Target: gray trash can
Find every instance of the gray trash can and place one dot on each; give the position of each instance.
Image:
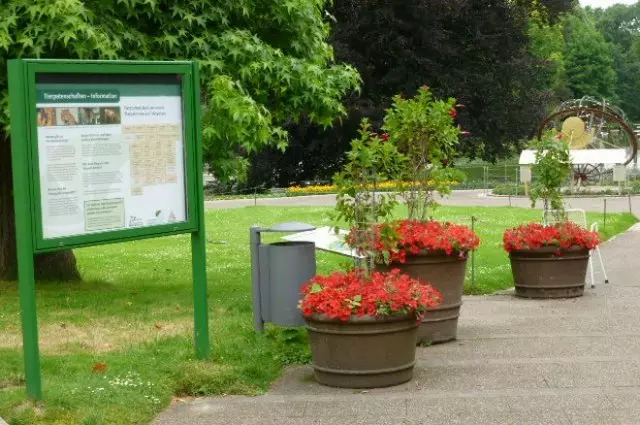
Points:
(278, 271)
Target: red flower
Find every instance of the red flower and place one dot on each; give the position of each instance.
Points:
(453, 113)
(385, 137)
(343, 295)
(559, 136)
(413, 237)
(561, 235)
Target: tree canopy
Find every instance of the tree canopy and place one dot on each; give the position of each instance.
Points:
(264, 63)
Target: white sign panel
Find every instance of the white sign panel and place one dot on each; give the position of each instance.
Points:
(583, 156)
(327, 240)
(110, 158)
(619, 173)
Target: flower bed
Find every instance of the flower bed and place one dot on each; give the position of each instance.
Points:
(330, 188)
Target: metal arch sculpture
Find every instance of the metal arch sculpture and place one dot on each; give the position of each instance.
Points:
(606, 122)
(600, 124)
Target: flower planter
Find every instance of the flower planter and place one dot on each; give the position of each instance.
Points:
(542, 273)
(446, 273)
(363, 352)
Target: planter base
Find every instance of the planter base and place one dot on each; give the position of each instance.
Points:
(364, 352)
(541, 273)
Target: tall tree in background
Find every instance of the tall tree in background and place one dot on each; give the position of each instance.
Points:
(588, 59)
(620, 26)
(474, 50)
(548, 44)
(264, 64)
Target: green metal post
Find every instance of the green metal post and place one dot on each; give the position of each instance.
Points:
(473, 255)
(24, 241)
(198, 240)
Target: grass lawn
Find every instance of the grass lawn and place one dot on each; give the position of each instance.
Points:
(117, 347)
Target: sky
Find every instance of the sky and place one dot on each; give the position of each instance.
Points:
(605, 3)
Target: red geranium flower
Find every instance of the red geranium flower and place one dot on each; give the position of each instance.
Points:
(561, 235)
(406, 237)
(453, 113)
(385, 137)
(343, 295)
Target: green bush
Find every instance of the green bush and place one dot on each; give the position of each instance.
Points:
(509, 189)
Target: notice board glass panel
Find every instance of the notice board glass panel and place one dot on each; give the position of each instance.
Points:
(111, 152)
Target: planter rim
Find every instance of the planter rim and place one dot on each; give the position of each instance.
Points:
(550, 248)
(457, 255)
(316, 317)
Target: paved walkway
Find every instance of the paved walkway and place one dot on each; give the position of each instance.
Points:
(458, 198)
(519, 362)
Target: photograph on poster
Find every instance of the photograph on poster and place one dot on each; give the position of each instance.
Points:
(46, 117)
(67, 116)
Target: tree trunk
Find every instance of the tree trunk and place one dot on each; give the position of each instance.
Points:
(55, 266)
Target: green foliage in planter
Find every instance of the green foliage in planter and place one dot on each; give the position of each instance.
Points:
(424, 129)
(551, 170)
(371, 161)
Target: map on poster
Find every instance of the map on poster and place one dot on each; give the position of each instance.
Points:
(111, 157)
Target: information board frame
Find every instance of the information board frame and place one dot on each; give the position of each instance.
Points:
(27, 196)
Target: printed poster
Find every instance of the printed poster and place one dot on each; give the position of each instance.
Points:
(111, 157)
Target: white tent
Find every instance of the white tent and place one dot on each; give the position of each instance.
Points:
(583, 156)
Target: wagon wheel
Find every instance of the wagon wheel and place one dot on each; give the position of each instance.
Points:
(604, 126)
(584, 174)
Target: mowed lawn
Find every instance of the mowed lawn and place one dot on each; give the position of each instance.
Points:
(118, 347)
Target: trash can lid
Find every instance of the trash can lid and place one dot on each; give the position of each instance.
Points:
(290, 226)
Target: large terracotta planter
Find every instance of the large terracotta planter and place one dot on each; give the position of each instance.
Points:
(365, 352)
(542, 273)
(445, 273)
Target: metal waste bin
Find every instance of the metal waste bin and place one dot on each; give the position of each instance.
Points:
(278, 271)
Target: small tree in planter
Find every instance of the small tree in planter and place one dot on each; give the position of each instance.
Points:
(362, 324)
(552, 168)
(550, 261)
(424, 130)
(372, 160)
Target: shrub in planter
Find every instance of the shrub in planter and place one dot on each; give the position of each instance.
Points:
(362, 328)
(424, 129)
(417, 149)
(549, 261)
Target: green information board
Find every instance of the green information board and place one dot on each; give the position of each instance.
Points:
(102, 152)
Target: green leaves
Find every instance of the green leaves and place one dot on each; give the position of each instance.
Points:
(372, 161)
(264, 63)
(424, 130)
(551, 170)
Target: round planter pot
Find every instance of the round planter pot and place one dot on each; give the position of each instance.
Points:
(365, 352)
(445, 273)
(542, 273)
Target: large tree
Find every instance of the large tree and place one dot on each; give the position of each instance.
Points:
(264, 64)
(474, 50)
(620, 26)
(588, 59)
